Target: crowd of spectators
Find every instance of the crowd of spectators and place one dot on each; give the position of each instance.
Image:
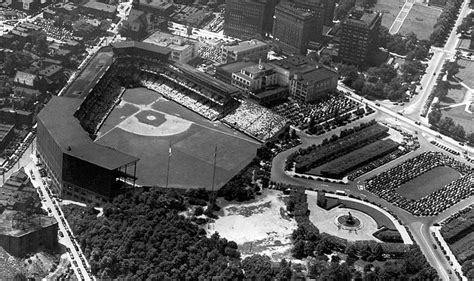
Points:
(255, 120)
(301, 113)
(58, 33)
(100, 101)
(385, 184)
(181, 95)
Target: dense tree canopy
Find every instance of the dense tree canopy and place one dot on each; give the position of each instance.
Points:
(142, 236)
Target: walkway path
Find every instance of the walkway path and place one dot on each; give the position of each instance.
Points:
(468, 97)
(402, 15)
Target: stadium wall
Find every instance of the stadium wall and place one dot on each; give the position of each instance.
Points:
(50, 154)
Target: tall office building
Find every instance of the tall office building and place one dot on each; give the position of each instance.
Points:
(296, 24)
(247, 18)
(359, 37)
(324, 8)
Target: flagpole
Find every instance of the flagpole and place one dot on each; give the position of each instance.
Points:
(168, 169)
(213, 199)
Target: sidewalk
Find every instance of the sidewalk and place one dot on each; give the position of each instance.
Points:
(452, 258)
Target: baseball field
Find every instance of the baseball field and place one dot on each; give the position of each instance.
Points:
(145, 124)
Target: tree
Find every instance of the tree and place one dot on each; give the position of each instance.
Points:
(470, 138)
(258, 267)
(298, 249)
(316, 267)
(451, 68)
(378, 252)
(337, 272)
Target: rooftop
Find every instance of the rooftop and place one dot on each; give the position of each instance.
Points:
(4, 130)
(73, 139)
(157, 4)
(101, 6)
(171, 41)
(12, 224)
(245, 45)
(141, 45)
(50, 70)
(235, 66)
(25, 78)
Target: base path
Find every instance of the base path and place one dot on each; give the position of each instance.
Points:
(402, 15)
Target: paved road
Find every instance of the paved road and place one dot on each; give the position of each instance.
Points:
(50, 203)
(420, 234)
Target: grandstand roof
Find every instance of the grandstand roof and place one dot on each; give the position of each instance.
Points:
(141, 45)
(223, 89)
(73, 139)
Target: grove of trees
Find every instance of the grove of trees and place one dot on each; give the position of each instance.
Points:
(445, 22)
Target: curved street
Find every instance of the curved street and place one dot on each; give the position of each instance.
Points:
(418, 226)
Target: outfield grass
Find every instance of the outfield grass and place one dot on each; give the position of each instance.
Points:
(427, 183)
(381, 219)
(466, 73)
(420, 21)
(460, 116)
(390, 10)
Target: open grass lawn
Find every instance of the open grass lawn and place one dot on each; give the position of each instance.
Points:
(427, 183)
(390, 10)
(420, 20)
(455, 94)
(466, 73)
(378, 216)
(191, 163)
(460, 116)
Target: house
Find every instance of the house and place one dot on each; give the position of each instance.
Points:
(25, 79)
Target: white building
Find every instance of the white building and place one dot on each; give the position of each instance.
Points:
(182, 49)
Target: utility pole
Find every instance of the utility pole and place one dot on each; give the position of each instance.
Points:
(168, 168)
(213, 195)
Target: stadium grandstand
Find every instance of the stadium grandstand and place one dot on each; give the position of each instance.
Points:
(69, 149)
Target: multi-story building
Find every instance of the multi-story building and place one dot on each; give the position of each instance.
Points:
(29, 6)
(255, 77)
(247, 18)
(296, 25)
(252, 50)
(307, 79)
(359, 38)
(157, 7)
(182, 49)
(6, 135)
(323, 8)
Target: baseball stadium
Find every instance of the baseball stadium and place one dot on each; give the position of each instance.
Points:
(133, 117)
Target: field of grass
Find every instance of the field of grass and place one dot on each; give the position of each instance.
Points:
(379, 217)
(157, 122)
(460, 116)
(390, 9)
(420, 21)
(465, 72)
(427, 183)
(455, 94)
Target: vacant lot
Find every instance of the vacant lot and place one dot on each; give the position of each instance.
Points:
(427, 183)
(390, 9)
(258, 227)
(460, 116)
(465, 72)
(420, 21)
